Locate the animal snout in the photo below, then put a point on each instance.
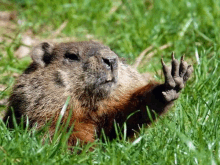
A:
(110, 62)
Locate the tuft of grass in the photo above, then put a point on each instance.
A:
(188, 134)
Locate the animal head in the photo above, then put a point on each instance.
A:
(89, 69)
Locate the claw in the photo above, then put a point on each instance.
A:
(188, 73)
(182, 58)
(175, 66)
(167, 74)
(172, 55)
(162, 61)
(183, 68)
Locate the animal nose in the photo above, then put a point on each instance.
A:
(110, 62)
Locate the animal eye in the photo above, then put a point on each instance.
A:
(72, 56)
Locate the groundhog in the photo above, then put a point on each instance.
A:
(103, 90)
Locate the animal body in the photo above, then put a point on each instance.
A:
(103, 90)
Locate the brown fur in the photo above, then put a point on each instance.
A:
(102, 89)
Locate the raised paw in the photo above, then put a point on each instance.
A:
(175, 78)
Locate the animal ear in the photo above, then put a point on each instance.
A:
(42, 54)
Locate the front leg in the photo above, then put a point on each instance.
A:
(161, 97)
(156, 96)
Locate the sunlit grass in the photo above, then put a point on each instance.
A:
(188, 134)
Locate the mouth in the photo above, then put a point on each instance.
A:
(109, 82)
(103, 87)
(104, 83)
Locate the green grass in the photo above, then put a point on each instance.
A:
(188, 134)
